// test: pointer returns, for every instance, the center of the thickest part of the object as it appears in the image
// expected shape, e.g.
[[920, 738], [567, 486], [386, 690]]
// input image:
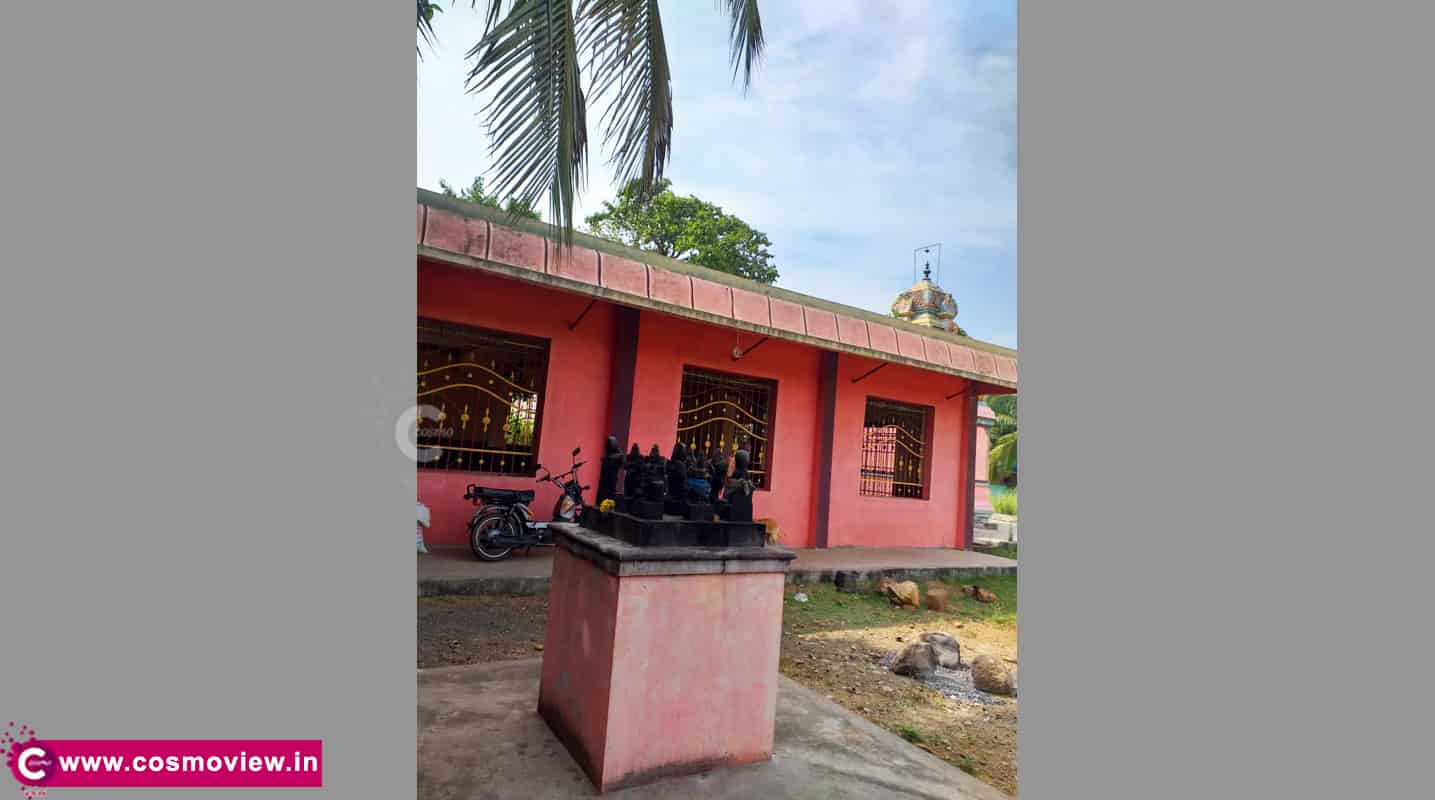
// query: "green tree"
[[527, 62], [684, 228], [1001, 459], [475, 194]]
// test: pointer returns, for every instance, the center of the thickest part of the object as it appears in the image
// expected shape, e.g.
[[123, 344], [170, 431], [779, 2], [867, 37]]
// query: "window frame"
[[455, 335], [929, 421], [771, 385]]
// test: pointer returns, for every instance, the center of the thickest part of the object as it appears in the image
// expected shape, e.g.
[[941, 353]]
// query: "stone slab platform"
[[480, 737], [458, 572]]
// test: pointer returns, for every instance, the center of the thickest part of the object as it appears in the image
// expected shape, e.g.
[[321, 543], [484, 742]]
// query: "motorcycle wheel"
[[480, 530]]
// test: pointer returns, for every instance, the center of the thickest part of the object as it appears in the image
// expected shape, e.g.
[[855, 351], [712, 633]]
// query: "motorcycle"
[[503, 520]]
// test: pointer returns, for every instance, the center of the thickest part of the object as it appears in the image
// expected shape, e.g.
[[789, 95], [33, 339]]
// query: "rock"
[[936, 598], [948, 652], [846, 581], [984, 596], [991, 675], [800, 597], [919, 659], [905, 594]]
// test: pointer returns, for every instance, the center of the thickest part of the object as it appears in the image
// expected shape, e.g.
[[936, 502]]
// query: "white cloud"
[[871, 128]]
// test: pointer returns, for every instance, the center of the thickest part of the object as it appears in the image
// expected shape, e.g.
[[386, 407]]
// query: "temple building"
[[863, 429]]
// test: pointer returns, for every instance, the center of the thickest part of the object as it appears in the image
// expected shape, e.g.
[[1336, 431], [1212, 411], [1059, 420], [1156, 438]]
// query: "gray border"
[[1224, 210], [208, 328]]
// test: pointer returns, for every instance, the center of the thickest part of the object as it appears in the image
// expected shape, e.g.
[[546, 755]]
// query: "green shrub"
[[1005, 504]]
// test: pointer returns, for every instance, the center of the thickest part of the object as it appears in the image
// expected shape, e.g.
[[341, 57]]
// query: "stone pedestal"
[[661, 660]]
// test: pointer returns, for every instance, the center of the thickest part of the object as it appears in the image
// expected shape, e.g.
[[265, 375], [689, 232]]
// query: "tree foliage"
[[1001, 458], [541, 62], [475, 194], [685, 228]]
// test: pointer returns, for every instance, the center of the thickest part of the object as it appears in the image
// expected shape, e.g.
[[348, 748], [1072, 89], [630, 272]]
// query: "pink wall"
[[576, 412], [578, 656], [660, 673], [575, 401], [695, 679], [666, 344], [982, 491], [895, 521]]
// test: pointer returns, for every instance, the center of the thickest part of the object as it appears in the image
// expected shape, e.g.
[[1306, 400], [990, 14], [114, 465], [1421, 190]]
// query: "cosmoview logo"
[[35, 763], [40, 766]]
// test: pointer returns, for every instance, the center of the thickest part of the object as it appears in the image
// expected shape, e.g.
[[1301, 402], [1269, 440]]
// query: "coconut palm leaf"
[[746, 34], [425, 23], [527, 62], [629, 69], [1002, 458], [536, 117]]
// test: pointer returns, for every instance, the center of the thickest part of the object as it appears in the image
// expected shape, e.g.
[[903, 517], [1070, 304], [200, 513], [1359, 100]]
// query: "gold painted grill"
[[487, 387], [894, 450], [730, 413]]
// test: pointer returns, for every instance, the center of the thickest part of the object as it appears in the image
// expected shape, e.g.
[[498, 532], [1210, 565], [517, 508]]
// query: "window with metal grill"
[[488, 389], [894, 449], [720, 411]]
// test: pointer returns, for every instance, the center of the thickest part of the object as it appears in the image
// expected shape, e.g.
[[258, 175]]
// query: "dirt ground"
[[832, 643], [461, 629], [843, 663]]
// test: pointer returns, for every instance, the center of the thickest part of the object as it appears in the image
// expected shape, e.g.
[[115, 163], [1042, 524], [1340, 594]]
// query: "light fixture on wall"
[[738, 352]]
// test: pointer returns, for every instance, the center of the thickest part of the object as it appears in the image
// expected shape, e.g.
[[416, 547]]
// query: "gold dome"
[[928, 304]]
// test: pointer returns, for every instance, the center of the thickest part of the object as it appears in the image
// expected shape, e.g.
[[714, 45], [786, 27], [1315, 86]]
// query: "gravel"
[[955, 684]]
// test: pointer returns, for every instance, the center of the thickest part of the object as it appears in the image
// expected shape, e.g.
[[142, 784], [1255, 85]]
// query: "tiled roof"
[[451, 230]]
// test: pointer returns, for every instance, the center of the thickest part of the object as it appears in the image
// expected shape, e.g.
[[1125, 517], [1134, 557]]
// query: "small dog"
[[773, 534]]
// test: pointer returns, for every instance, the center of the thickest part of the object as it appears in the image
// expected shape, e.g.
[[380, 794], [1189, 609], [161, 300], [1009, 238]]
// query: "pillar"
[[826, 424], [982, 492], [625, 364]]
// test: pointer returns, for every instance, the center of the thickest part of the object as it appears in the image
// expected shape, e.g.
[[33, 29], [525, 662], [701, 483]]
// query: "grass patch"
[[966, 764], [909, 733], [1005, 550], [1004, 503], [827, 609]]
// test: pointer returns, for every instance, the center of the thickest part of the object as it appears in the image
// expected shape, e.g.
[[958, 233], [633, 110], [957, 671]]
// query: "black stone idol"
[[655, 487], [608, 471], [632, 478], [717, 474], [739, 490], [676, 501]]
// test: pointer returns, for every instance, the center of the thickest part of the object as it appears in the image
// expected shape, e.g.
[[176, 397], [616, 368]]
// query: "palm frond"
[[536, 117], [1001, 458], [629, 67], [492, 12], [426, 10], [745, 31]]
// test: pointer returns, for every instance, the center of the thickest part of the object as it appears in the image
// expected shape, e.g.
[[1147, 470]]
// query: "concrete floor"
[[480, 738], [458, 572]]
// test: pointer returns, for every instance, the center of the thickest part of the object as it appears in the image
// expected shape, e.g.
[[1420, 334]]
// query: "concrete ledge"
[[799, 575], [619, 558], [505, 584], [455, 572], [437, 587]]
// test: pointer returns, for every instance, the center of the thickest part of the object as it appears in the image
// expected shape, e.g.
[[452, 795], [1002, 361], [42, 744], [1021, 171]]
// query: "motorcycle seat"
[[505, 497]]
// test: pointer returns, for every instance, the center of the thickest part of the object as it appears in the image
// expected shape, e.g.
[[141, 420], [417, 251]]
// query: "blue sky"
[[872, 127]]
